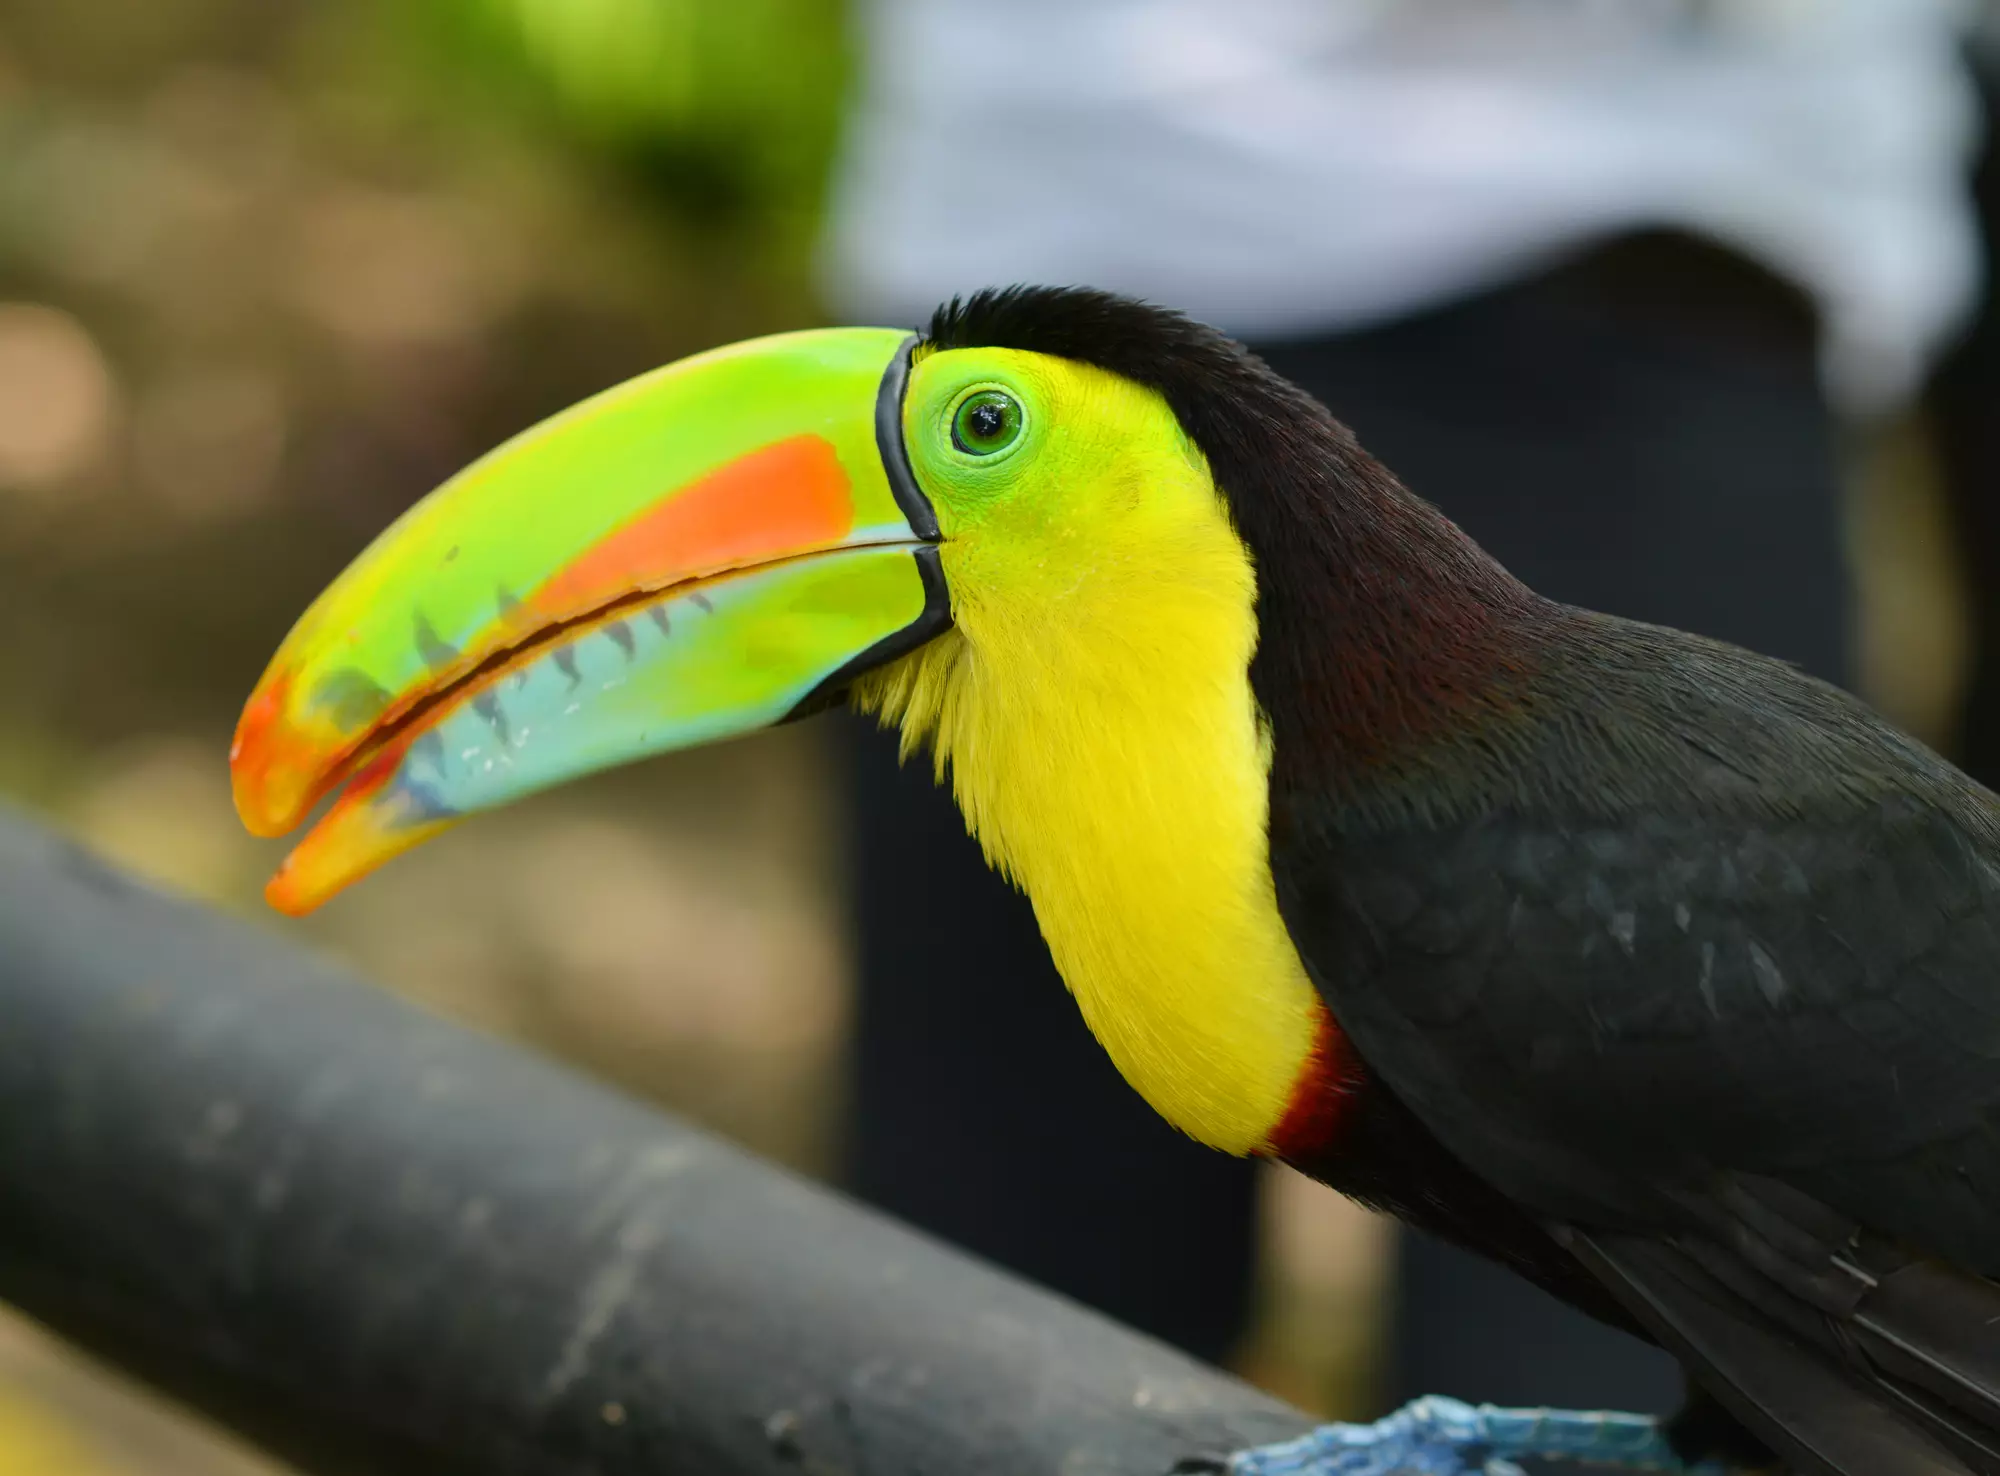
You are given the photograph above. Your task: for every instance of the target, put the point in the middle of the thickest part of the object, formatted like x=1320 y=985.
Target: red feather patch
x=1333 y=1077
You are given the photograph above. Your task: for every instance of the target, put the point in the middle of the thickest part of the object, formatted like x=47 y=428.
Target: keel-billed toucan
x=1659 y=972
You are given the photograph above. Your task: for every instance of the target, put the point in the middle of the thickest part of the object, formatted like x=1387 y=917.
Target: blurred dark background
x=270 y=269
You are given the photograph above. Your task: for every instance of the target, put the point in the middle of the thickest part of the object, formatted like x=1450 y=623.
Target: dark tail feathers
x=1844 y=1353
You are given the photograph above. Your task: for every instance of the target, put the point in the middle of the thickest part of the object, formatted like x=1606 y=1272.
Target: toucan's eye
x=986 y=422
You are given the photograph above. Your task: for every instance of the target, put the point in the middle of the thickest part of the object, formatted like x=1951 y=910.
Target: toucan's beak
x=694 y=554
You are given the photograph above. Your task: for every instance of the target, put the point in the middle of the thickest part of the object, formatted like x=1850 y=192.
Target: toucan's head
x=724 y=543
x=1006 y=534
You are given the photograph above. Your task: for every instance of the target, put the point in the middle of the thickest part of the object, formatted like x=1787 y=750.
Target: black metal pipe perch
x=379 y=1243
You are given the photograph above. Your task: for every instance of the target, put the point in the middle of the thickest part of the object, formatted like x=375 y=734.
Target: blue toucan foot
x=1443 y=1437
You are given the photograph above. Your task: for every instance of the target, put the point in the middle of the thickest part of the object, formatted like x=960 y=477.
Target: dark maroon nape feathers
x=1426 y=625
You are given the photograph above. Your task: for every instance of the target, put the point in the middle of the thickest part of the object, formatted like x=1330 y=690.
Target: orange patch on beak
x=789 y=496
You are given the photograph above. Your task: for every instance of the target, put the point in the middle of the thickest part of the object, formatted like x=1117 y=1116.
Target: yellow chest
x=1112 y=764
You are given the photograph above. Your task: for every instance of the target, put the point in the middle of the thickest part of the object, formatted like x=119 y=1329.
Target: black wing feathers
x=1713 y=977
x=1587 y=1012
x=1797 y=1402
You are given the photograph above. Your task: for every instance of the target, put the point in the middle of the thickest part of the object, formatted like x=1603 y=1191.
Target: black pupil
x=987 y=421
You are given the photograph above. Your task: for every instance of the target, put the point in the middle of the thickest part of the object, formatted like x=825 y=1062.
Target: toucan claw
x=1435 y=1436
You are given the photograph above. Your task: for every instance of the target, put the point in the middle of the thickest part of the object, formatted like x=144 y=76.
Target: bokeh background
x=269 y=269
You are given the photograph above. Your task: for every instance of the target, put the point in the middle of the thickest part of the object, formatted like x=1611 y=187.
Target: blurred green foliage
x=276 y=268
x=728 y=110
x=271 y=269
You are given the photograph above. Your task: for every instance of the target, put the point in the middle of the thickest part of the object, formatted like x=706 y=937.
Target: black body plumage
x=1709 y=984
x=1676 y=973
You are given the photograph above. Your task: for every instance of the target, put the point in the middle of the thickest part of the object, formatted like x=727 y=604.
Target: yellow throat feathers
x=1092 y=708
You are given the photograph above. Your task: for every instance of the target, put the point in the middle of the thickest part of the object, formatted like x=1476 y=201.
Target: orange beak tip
x=258 y=824
x=347 y=845
x=260 y=810
x=284 y=895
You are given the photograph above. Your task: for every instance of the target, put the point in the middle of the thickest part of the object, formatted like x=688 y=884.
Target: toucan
x=1653 y=969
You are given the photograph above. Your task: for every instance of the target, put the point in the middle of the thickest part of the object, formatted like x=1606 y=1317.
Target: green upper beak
x=694 y=554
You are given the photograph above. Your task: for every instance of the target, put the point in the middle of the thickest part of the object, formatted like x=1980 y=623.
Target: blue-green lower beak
x=707 y=551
